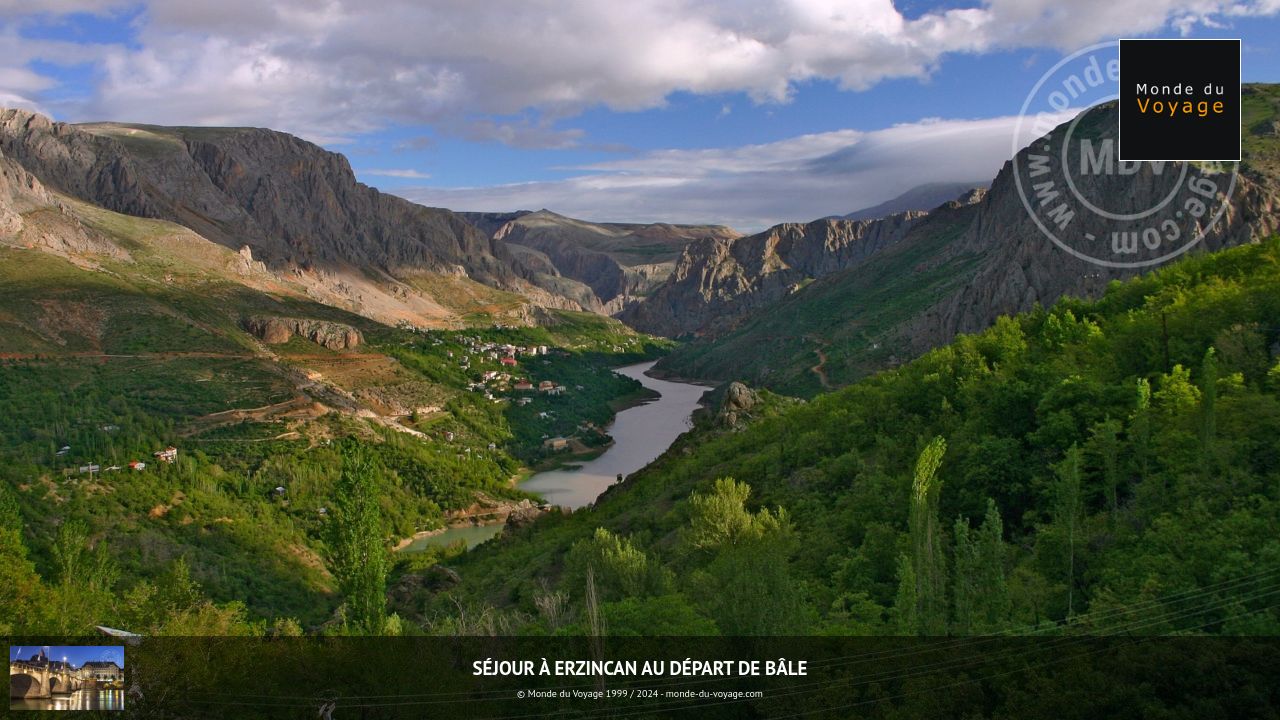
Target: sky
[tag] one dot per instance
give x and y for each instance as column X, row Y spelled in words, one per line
column 77, row 655
column 745, row 113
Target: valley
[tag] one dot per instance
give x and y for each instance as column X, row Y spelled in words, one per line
column 236, row 379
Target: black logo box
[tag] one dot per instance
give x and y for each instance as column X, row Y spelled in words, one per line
column 1186, row 67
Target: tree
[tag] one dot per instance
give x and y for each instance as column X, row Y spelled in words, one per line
column 747, row 588
column 85, row 576
column 1208, row 398
column 1068, row 508
column 620, row 568
column 1106, row 444
column 905, row 604
column 981, row 595
column 358, row 554
column 928, row 561
column 720, row 517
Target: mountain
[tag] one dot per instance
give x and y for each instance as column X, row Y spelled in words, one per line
column 718, row 281
column 958, row 270
column 617, row 263
column 921, row 197
column 286, row 203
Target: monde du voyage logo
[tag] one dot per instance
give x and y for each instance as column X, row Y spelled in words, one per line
column 1137, row 177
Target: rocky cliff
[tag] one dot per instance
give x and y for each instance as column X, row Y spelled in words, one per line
column 293, row 203
column 32, row 217
column 959, row 268
column 277, row 330
column 718, row 281
column 618, row 262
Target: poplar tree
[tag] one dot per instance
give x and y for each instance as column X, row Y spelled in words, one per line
column 980, row 593
column 928, row 561
column 357, row 551
column 1067, row 509
column 1208, row 398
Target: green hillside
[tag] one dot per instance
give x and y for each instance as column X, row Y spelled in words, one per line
column 1112, row 465
column 116, row 355
column 782, row 347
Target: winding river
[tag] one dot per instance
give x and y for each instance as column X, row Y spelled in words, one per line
column 640, row 434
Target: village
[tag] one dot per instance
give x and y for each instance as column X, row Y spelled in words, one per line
column 168, row 455
column 507, row 373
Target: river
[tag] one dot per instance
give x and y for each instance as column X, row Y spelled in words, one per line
column 640, row 434
column 79, row 700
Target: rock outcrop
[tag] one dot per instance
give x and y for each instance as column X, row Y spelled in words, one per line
column 618, row 262
column 33, row 217
column 717, row 281
column 277, row 330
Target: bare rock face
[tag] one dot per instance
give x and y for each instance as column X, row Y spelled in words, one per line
column 277, row 330
column 739, row 400
column 522, row 517
column 719, row 281
column 32, row 217
column 291, row 202
column 618, row 262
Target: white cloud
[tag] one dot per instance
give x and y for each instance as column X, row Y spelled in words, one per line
column 327, row 69
column 395, row 173
column 754, row 186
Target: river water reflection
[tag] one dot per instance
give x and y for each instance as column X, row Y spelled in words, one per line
column 78, row 700
column 640, row 434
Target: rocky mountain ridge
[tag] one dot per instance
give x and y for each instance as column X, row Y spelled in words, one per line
column 718, row 281
column 957, row 269
column 618, row 263
column 294, row 206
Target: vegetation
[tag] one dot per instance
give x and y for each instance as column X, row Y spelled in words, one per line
column 1110, row 466
column 238, row 532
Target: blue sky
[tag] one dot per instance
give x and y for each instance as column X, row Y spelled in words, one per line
column 673, row 110
column 77, row 655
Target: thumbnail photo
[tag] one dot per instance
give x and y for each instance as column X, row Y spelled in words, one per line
column 66, row 677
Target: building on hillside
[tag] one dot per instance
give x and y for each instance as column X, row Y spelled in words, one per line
column 523, row 385
column 556, row 444
column 508, row 361
column 168, row 454
column 137, row 465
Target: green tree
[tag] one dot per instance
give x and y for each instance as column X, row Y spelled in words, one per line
column 620, row 568
column 980, row 592
column 1208, row 400
column 720, row 517
column 1105, row 443
column 905, row 606
column 1068, row 509
column 747, row 587
column 928, row 560
column 85, row 576
column 357, row 552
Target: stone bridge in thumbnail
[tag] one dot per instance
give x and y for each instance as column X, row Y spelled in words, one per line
column 42, row 678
